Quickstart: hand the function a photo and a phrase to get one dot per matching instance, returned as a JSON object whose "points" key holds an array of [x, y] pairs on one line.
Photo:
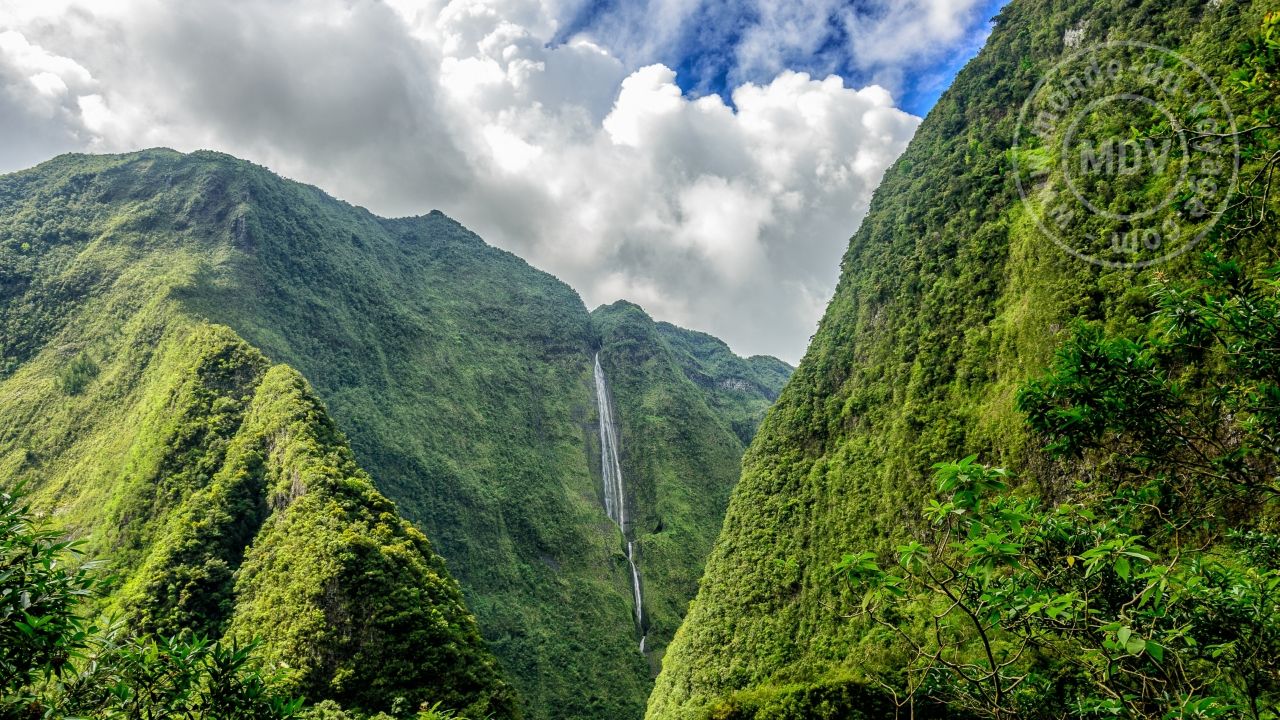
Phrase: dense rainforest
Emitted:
{"points": [[1015, 475], [366, 448]]}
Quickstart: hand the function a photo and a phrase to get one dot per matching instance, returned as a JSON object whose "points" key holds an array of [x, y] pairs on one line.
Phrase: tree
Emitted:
{"points": [[41, 587], [56, 662], [1070, 612], [1147, 590]]}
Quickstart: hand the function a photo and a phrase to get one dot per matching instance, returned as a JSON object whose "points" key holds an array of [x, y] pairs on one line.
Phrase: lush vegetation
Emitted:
{"points": [[1148, 589], [740, 390], [242, 515], [56, 662], [684, 402], [950, 300], [140, 297]]}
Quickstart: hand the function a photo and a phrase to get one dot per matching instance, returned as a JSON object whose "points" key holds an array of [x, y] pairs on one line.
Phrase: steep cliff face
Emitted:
{"points": [[740, 390], [950, 297], [683, 403], [461, 376]]}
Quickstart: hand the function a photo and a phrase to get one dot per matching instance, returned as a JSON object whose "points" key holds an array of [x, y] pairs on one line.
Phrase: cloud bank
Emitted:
{"points": [[725, 217]]}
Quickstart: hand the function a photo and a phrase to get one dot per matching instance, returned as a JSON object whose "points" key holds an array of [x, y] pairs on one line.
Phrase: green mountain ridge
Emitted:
{"points": [[950, 297], [140, 296], [232, 464]]}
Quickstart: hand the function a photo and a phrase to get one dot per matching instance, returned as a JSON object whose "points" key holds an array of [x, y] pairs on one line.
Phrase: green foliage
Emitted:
{"points": [[54, 662], [214, 469], [1258, 81], [1068, 612], [949, 298], [125, 676], [336, 561], [828, 699], [41, 587], [739, 390], [1147, 591], [682, 398], [1194, 410], [247, 516], [329, 710], [77, 374]]}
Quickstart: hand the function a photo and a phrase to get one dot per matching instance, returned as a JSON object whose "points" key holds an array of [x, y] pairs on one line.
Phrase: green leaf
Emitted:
{"points": [[1155, 651], [1122, 567], [1123, 635], [1135, 645]]}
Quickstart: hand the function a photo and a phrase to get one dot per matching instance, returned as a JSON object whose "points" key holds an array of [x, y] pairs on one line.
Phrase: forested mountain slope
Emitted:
{"points": [[684, 402], [461, 376], [950, 298], [221, 488]]}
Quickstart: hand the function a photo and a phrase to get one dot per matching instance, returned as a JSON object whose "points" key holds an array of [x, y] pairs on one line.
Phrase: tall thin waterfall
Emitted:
{"points": [[615, 496]]}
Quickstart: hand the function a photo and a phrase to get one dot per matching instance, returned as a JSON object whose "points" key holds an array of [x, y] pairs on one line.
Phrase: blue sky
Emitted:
{"points": [[923, 88], [705, 45]]}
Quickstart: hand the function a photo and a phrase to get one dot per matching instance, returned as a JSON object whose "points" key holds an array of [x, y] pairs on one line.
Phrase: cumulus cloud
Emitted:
{"points": [[728, 217], [904, 36], [42, 99], [869, 35]]}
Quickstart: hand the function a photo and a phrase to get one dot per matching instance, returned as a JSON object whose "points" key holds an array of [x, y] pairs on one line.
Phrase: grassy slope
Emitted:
{"points": [[948, 299], [460, 374]]}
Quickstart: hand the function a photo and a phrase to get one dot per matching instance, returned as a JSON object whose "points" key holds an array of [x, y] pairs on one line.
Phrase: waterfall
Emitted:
{"points": [[615, 497]]}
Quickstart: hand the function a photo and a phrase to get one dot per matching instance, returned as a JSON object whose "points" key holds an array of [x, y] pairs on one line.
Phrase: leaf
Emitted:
{"points": [[1123, 635], [1122, 568], [1155, 651], [1135, 646]]}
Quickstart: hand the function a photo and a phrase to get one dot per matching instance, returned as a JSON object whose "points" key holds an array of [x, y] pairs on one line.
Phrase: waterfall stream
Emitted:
{"points": [[615, 496]]}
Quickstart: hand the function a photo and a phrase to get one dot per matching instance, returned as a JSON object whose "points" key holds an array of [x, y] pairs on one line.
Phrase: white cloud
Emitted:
{"points": [[40, 92], [903, 35], [726, 219], [877, 34], [908, 29]]}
